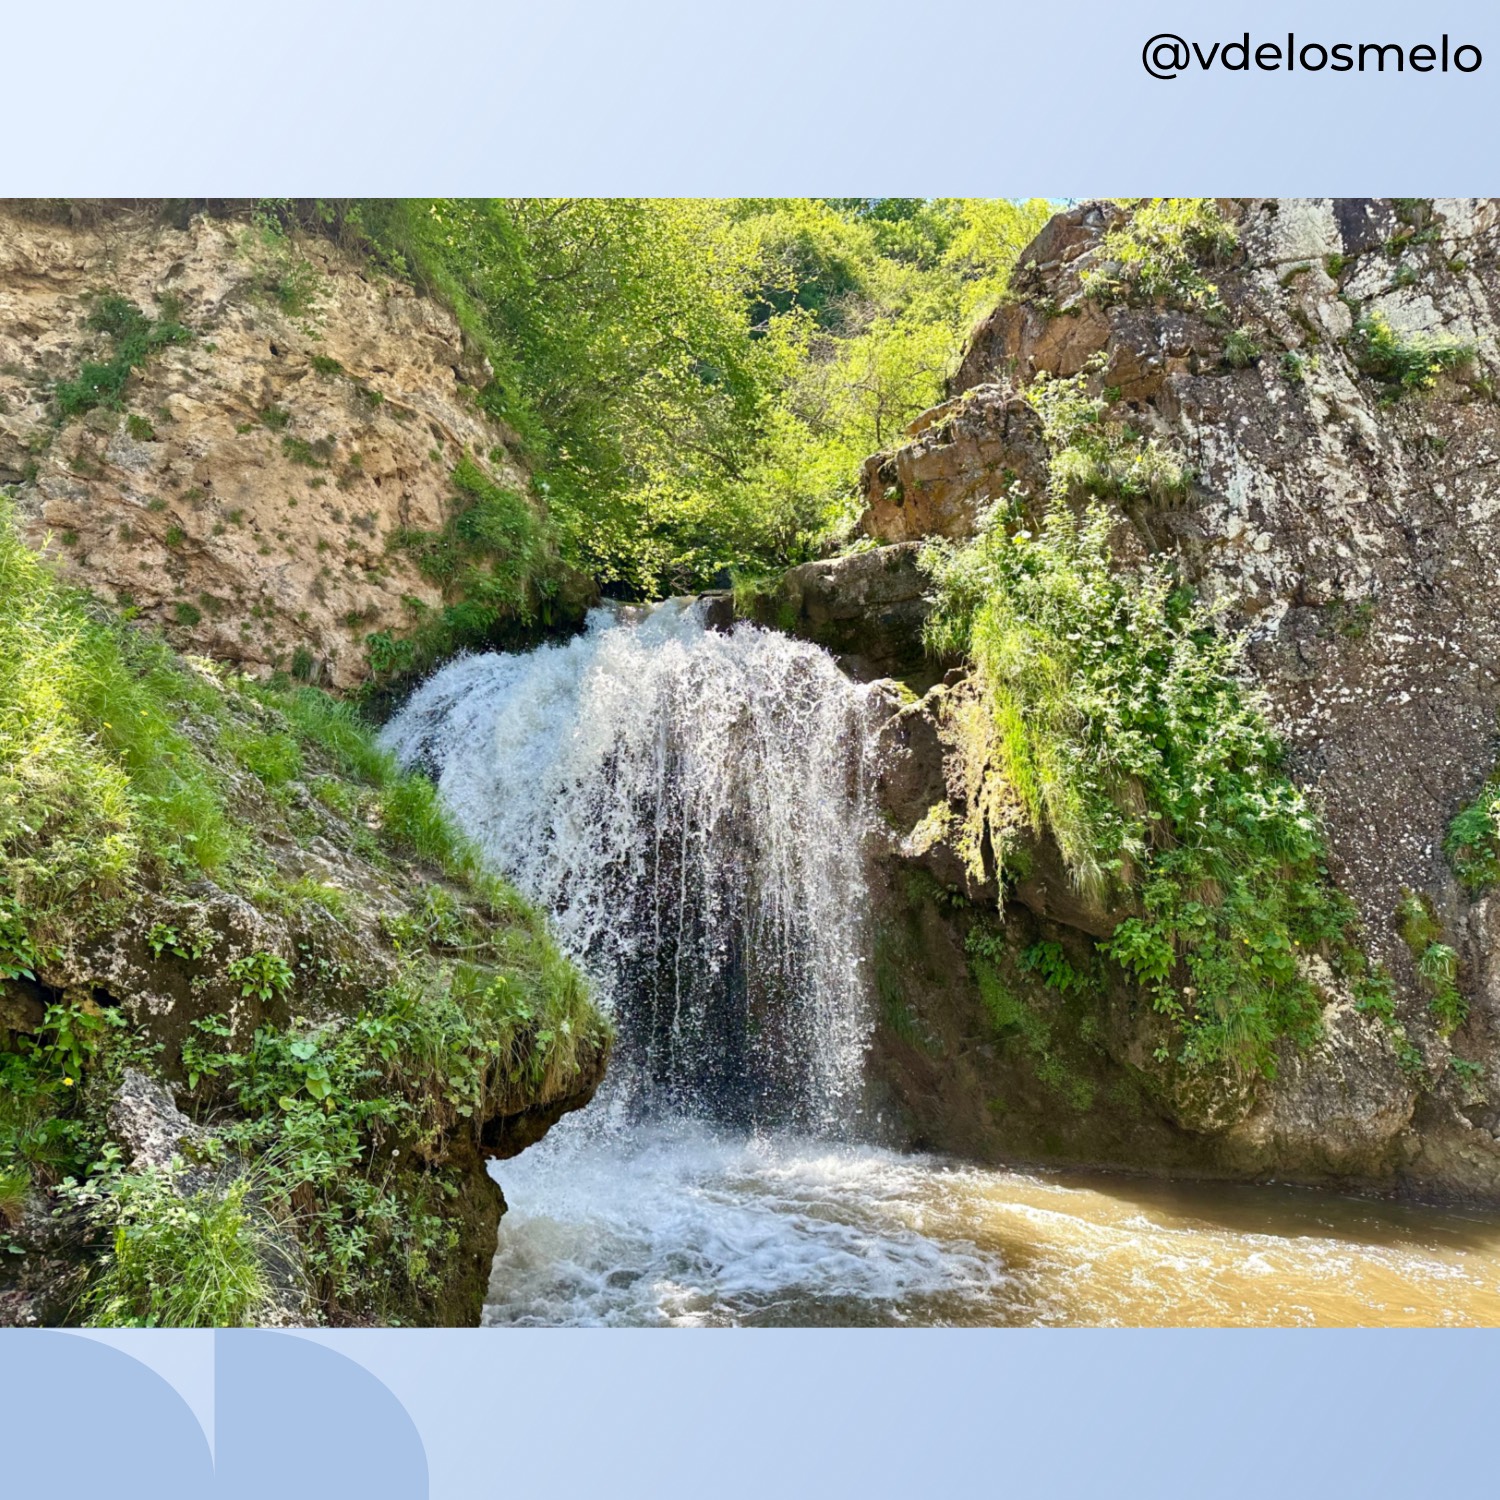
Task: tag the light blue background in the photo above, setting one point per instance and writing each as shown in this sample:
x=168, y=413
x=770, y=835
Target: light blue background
x=164, y=97
x=701, y=96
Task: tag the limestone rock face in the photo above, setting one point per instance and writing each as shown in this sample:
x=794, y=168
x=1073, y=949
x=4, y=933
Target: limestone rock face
x=245, y=495
x=148, y=1124
x=1354, y=537
x=962, y=454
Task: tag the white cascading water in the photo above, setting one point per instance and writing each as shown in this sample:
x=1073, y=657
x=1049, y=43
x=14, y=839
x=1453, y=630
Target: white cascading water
x=689, y=806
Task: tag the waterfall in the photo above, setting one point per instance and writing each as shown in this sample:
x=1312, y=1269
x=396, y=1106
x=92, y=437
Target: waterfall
x=689, y=805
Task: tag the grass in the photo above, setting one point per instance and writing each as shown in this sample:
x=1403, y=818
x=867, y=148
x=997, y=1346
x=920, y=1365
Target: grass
x=180, y=1261
x=1437, y=963
x=96, y=778
x=133, y=339
x=1114, y=717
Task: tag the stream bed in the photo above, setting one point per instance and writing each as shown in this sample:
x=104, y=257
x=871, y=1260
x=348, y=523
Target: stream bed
x=679, y=1224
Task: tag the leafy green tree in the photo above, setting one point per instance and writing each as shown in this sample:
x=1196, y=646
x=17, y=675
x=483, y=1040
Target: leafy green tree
x=697, y=381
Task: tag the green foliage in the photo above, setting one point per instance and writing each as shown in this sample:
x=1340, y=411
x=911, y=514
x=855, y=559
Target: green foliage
x=1158, y=253
x=493, y=561
x=179, y=1260
x=282, y=273
x=96, y=778
x=1406, y=363
x=1438, y=967
x=115, y=765
x=1048, y=962
x=275, y=758
x=314, y=455
x=1418, y=922
x=1473, y=840
x=1240, y=349
x=1019, y=1020
x=1093, y=456
x=1120, y=723
x=133, y=338
x=1437, y=963
x=697, y=381
x=263, y=975
x=140, y=429
x=347, y=1122
x=1470, y=1075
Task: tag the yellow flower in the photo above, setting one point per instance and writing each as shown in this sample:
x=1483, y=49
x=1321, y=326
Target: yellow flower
x=68, y=1081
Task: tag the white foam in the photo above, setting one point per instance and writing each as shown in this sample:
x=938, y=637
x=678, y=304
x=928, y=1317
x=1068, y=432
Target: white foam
x=680, y=1224
x=689, y=806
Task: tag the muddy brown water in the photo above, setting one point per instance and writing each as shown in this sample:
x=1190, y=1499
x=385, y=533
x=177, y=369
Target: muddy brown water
x=678, y=1225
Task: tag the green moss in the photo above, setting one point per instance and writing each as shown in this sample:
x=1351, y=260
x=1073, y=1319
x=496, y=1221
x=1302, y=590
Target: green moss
x=1019, y=1022
x=1437, y=963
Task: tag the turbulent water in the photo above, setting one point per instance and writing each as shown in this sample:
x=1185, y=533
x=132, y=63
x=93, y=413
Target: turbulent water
x=682, y=1225
x=689, y=805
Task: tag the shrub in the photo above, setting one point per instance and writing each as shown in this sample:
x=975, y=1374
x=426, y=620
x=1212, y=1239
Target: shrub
x=1091, y=456
x=1159, y=252
x=1407, y=363
x=1116, y=718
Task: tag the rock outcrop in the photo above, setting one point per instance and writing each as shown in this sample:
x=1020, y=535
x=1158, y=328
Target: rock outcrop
x=245, y=491
x=867, y=608
x=1350, y=528
x=962, y=456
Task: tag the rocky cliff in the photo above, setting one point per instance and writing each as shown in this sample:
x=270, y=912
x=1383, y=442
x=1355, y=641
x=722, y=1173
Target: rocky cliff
x=1317, y=387
x=267, y=488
